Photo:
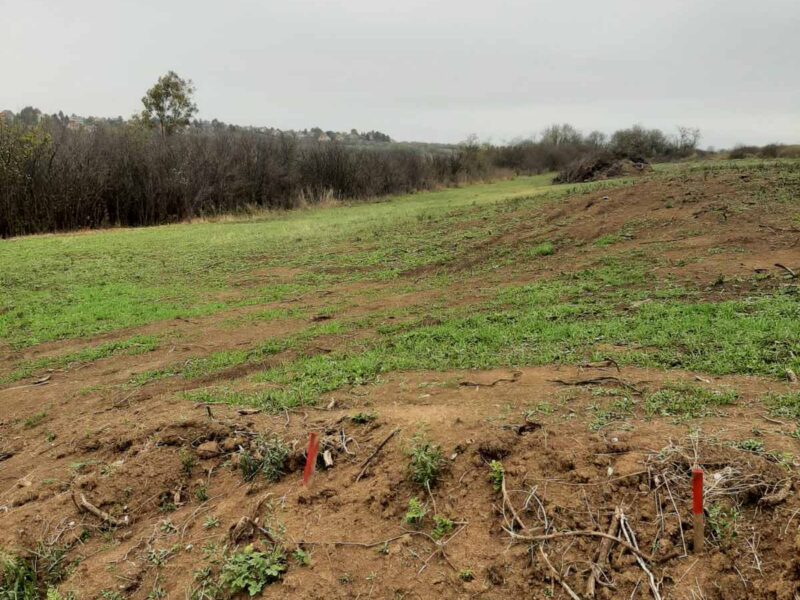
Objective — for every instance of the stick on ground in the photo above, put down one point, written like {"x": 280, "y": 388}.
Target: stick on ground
{"x": 83, "y": 504}
{"x": 366, "y": 463}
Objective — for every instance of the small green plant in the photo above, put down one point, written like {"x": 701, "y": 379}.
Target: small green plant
{"x": 543, "y": 249}
{"x": 751, "y": 445}
{"x": 167, "y": 527}
{"x": 111, "y": 595}
{"x": 442, "y": 527}
{"x": 188, "y": 461}
{"x": 201, "y": 493}
{"x": 302, "y": 557}
{"x": 268, "y": 457}
{"x": 466, "y": 574}
{"x": 35, "y": 420}
{"x": 721, "y": 521}
{"x": 426, "y": 462}
{"x": 250, "y": 570}
{"x": 496, "y": 474}
{"x": 207, "y": 587}
{"x": 363, "y": 418}
{"x": 416, "y": 512}
{"x": 210, "y": 522}
{"x": 617, "y": 411}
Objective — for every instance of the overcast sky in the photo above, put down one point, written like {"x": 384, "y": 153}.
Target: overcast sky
{"x": 420, "y": 70}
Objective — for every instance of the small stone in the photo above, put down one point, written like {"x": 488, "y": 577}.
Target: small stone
{"x": 208, "y": 450}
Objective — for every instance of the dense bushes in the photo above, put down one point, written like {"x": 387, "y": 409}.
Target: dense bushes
{"x": 560, "y": 146}
{"x": 53, "y": 178}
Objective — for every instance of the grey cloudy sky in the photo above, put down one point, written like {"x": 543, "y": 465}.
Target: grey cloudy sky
{"x": 421, "y": 70}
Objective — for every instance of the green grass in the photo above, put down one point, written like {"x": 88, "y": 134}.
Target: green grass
{"x": 83, "y": 284}
{"x": 687, "y": 401}
{"x": 139, "y": 344}
{"x": 543, "y": 249}
{"x": 78, "y": 285}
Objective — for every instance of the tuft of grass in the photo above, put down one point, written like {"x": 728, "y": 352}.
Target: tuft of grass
{"x": 267, "y": 456}
{"x": 687, "y": 401}
{"x": 363, "y": 418}
{"x": 427, "y": 462}
{"x": 543, "y": 249}
{"x": 466, "y": 574}
{"x": 619, "y": 410}
{"x": 496, "y": 475}
{"x": 416, "y": 512}
{"x": 722, "y": 521}
{"x": 250, "y": 570}
{"x": 607, "y": 240}
{"x": 784, "y": 405}
{"x": 35, "y": 420}
{"x": 17, "y": 578}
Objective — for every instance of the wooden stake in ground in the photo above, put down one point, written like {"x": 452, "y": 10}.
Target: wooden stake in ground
{"x": 697, "y": 509}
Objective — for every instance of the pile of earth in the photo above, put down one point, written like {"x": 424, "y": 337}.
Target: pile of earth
{"x": 601, "y": 166}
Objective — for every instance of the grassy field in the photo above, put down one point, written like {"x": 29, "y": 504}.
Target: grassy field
{"x": 624, "y": 323}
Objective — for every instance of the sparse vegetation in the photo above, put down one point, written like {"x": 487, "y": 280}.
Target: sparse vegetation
{"x": 687, "y": 401}
{"x": 267, "y": 456}
{"x": 427, "y": 462}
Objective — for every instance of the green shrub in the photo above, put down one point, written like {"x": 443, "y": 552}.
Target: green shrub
{"x": 426, "y": 462}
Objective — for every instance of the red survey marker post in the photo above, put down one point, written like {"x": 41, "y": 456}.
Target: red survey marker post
{"x": 697, "y": 509}
{"x": 311, "y": 456}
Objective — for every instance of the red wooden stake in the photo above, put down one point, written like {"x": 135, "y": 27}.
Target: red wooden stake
{"x": 311, "y": 456}
{"x": 697, "y": 509}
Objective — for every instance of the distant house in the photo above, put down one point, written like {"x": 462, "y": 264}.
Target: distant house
{"x": 75, "y": 122}
{"x": 6, "y": 116}
{"x": 323, "y": 137}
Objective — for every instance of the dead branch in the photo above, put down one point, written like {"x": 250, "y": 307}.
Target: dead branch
{"x": 557, "y": 576}
{"x": 507, "y": 500}
{"x": 589, "y": 533}
{"x": 83, "y": 504}
{"x": 599, "y": 381}
{"x": 787, "y": 269}
{"x": 513, "y": 379}
{"x": 627, "y": 531}
{"x": 602, "y": 555}
{"x": 366, "y": 463}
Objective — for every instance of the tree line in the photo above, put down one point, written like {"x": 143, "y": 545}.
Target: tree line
{"x": 157, "y": 168}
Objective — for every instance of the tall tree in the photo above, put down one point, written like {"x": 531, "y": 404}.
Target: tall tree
{"x": 168, "y": 104}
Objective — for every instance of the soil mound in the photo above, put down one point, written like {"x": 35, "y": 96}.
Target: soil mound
{"x": 599, "y": 167}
